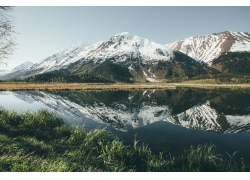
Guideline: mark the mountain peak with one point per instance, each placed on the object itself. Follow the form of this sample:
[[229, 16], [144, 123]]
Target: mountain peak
[[122, 34], [23, 66], [124, 46], [74, 46]]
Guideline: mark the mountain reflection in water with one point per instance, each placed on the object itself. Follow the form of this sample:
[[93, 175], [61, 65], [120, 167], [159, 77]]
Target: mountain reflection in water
[[220, 111]]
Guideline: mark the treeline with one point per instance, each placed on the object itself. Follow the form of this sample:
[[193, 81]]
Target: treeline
[[237, 63], [61, 78], [220, 78]]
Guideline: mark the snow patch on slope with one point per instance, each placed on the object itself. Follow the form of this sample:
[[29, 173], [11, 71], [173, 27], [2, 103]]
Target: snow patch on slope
[[130, 67], [152, 78], [242, 43]]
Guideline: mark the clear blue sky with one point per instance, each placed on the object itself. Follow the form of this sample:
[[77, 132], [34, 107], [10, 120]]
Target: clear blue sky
[[47, 29]]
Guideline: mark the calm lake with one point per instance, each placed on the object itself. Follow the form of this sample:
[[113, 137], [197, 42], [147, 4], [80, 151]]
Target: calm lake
[[166, 120]]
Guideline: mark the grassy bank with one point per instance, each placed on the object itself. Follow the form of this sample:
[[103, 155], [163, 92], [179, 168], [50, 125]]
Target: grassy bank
[[41, 141]]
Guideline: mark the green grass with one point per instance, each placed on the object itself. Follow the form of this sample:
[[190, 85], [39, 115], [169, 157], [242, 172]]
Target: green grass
[[42, 142]]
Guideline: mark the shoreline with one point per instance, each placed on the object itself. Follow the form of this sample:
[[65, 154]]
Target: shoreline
[[102, 86]]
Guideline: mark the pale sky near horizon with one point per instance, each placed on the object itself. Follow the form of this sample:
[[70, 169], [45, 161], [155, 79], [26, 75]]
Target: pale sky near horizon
[[45, 30]]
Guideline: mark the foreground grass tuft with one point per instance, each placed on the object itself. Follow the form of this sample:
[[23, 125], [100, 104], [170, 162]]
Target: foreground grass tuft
[[42, 142]]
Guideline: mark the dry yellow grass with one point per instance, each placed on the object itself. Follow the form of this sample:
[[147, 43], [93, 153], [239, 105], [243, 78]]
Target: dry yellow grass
[[79, 86], [211, 85], [101, 86]]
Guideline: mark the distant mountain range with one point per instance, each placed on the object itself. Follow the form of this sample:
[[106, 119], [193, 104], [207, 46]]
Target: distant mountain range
[[130, 58], [19, 68]]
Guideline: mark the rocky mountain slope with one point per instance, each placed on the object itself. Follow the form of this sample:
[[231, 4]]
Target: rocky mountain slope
[[208, 47]]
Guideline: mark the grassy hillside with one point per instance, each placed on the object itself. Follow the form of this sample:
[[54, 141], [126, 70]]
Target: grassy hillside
[[41, 141]]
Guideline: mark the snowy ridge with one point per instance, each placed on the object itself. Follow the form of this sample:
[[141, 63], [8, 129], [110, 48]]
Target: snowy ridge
[[126, 46], [208, 47], [22, 66], [242, 42], [60, 59], [18, 69]]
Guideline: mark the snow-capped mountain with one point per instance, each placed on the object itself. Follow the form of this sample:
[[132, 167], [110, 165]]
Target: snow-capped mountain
[[120, 47], [130, 58], [208, 47], [15, 72], [18, 68], [53, 62], [22, 66], [124, 48]]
